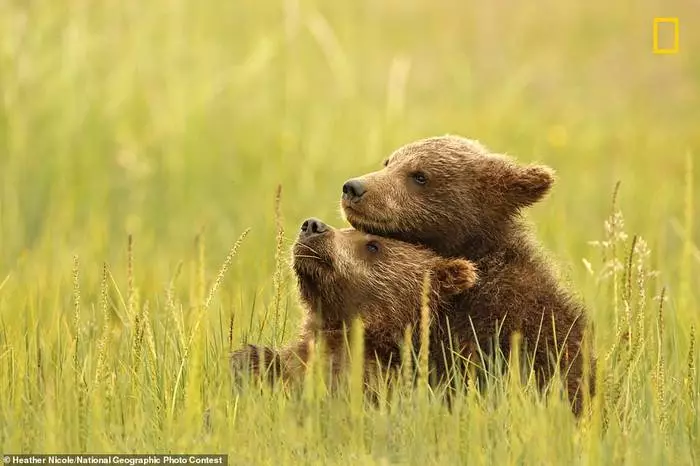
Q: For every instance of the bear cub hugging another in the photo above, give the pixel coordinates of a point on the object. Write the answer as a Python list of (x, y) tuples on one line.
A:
[(452, 195), (346, 274)]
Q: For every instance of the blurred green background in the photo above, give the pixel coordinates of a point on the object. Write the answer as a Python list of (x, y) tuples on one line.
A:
[(170, 118)]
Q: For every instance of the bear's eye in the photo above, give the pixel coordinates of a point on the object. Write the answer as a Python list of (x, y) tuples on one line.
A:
[(385, 162), (372, 246), (419, 178)]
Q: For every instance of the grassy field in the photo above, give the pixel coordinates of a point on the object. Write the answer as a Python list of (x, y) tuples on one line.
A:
[(175, 122)]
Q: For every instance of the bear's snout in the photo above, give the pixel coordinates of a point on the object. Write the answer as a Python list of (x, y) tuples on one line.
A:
[(312, 227), (353, 190)]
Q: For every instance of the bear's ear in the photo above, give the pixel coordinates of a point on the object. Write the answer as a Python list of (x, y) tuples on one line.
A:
[(452, 276), (526, 185)]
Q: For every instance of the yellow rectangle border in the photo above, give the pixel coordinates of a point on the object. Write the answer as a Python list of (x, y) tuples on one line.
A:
[(676, 28)]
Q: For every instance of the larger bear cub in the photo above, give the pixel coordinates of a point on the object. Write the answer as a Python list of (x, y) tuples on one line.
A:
[(454, 196)]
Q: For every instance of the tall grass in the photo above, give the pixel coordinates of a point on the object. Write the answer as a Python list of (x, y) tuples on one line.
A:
[(139, 141)]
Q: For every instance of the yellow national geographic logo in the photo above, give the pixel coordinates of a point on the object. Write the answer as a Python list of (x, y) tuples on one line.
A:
[(674, 23)]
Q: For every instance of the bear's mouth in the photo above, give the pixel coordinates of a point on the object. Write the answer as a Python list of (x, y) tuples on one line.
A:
[(366, 223), (310, 262), (375, 227), (383, 230), (314, 274)]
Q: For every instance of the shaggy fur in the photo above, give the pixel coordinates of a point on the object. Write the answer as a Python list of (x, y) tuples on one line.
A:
[(346, 274), (454, 196)]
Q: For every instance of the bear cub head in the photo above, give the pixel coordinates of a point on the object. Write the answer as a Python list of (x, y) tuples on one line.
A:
[(344, 273), (448, 193)]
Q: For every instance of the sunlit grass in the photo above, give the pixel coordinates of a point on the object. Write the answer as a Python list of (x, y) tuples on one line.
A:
[(139, 142)]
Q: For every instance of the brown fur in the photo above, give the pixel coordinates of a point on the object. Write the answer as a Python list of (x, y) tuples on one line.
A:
[(340, 279), (454, 196)]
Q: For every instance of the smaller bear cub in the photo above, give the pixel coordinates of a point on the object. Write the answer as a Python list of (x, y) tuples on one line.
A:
[(344, 274)]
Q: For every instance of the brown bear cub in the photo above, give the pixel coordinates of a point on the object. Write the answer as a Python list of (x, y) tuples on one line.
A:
[(347, 274), (454, 196)]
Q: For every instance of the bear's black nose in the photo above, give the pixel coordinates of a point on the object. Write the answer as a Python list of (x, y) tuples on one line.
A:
[(312, 227), (353, 190)]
